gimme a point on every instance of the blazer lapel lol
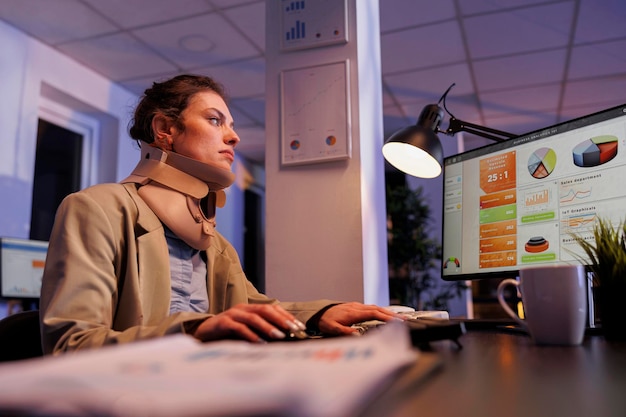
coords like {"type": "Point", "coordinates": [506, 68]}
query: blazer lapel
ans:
{"type": "Point", "coordinates": [153, 260]}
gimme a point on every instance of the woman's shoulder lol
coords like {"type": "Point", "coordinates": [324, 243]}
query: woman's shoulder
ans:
{"type": "Point", "coordinates": [107, 194]}
{"type": "Point", "coordinates": [109, 187]}
{"type": "Point", "coordinates": [116, 201]}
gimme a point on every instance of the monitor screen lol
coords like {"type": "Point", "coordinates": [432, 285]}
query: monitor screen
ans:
{"type": "Point", "coordinates": [21, 267]}
{"type": "Point", "coordinates": [516, 203]}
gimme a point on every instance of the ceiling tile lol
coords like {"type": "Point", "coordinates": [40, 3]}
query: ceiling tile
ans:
{"type": "Point", "coordinates": [520, 30]}
{"type": "Point", "coordinates": [136, 86]}
{"type": "Point", "coordinates": [600, 20]}
{"type": "Point", "coordinates": [605, 92]}
{"type": "Point", "coordinates": [388, 98]}
{"type": "Point", "coordinates": [520, 70]}
{"type": "Point", "coordinates": [54, 21]}
{"type": "Point", "coordinates": [224, 4]}
{"type": "Point", "coordinates": [392, 124]}
{"type": "Point", "coordinates": [139, 84]}
{"type": "Point", "coordinates": [462, 107]}
{"type": "Point", "coordinates": [412, 111]}
{"type": "Point", "coordinates": [397, 14]}
{"type": "Point", "coordinates": [530, 99]}
{"type": "Point", "coordinates": [130, 14]}
{"type": "Point", "coordinates": [428, 85]}
{"type": "Point", "coordinates": [570, 113]}
{"type": "Point", "coordinates": [598, 59]}
{"type": "Point", "coordinates": [241, 79]}
{"type": "Point", "coordinates": [520, 124]}
{"type": "Point", "coordinates": [117, 57]}
{"type": "Point", "coordinates": [251, 21]}
{"type": "Point", "coordinates": [252, 144]}
{"type": "Point", "coordinates": [423, 47]}
{"type": "Point", "coordinates": [485, 6]}
{"type": "Point", "coordinates": [211, 41]}
{"type": "Point", "coordinates": [248, 112]}
{"type": "Point", "coordinates": [393, 111]}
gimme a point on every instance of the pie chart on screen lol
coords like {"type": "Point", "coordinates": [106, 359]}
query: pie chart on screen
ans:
{"type": "Point", "coordinates": [595, 151]}
{"type": "Point", "coordinates": [542, 162]}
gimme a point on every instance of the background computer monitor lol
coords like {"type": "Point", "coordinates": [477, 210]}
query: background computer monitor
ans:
{"type": "Point", "coordinates": [514, 204]}
{"type": "Point", "coordinates": [21, 267]}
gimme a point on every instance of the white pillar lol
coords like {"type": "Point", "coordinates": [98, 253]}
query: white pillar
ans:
{"type": "Point", "coordinates": [326, 221]}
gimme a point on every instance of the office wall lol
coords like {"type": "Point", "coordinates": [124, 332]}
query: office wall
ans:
{"type": "Point", "coordinates": [29, 71]}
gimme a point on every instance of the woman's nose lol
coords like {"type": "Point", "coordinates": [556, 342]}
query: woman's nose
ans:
{"type": "Point", "coordinates": [231, 137]}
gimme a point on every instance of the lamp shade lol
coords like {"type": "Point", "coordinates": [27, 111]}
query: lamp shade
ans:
{"type": "Point", "coordinates": [416, 150]}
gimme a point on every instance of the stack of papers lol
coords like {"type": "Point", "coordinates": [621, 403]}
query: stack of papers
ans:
{"type": "Point", "coordinates": [178, 376]}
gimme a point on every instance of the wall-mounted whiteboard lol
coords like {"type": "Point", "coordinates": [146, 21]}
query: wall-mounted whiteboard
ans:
{"type": "Point", "coordinates": [315, 114]}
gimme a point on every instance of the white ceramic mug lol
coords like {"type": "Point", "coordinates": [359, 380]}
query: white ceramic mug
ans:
{"type": "Point", "coordinates": [555, 303]}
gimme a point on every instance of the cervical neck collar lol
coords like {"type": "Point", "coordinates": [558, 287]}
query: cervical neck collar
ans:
{"type": "Point", "coordinates": [182, 192]}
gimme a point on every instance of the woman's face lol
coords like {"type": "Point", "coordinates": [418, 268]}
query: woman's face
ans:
{"type": "Point", "coordinates": [208, 134]}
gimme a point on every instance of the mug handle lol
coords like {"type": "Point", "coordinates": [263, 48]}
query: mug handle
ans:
{"type": "Point", "coordinates": [503, 284]}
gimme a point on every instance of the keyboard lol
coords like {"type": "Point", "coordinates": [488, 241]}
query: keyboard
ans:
{"type": "Point", "coordinates": [424, 328]}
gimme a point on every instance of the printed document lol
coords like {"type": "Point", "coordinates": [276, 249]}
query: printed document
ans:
{"type": "Point", "coordinates": [179, 376]}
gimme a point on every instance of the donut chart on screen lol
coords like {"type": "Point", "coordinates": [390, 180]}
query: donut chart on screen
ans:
{"type": "Point", "coordinates": [595, 151]}
{"type": "Point", "coordinates": [542, 162]}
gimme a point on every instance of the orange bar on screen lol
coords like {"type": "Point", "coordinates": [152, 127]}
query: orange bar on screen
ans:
{"type": "Point", "coordinates": [498, 244]}
{"type": "Point", "coordinates": [507, 227]}
{"type": "Point", "coordinates": [38, 263]}
{"type": "Point", "coordinates": [496, 259]}
{"type": "Point", "coordinates": [501, 198]}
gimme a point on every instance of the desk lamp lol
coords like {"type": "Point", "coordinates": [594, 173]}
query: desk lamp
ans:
{"type": "Point", "coordinates": [416, 149]}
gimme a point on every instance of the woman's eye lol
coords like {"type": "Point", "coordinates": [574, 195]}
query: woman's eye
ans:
{"type": "Point", "coordinates": [215, 121]}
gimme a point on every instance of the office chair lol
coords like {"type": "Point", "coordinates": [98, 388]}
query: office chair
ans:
{"type": "Point", "coordinates": [20, 337]}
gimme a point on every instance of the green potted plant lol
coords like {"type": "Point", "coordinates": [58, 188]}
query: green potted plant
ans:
{"type": "Point", "coordinates": [413, 254]}
{"type": "Point", "coordinates": [605, 251]}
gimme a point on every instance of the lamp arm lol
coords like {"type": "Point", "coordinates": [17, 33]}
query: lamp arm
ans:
{"type": "Point", "coordinates": [457, 125]}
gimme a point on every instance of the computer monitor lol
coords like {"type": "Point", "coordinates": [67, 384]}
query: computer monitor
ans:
{"type": "Point", "coordinates": [514, 204]}
{"type": "Point", "coordinates": [21, 267]}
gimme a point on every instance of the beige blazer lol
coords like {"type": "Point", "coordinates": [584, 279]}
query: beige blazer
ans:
{"type": "Point", "coordinates": [107, 277]}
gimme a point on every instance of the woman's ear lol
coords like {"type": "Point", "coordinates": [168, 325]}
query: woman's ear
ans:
{"type": "Point", "coordinates": [162, 131]}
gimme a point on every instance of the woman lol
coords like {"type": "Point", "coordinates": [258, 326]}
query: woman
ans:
{"type": "Point", "coordinates": [141, 259]}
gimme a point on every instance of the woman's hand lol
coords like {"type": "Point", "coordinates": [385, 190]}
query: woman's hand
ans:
{"type": "Point", "coordinates": [338, 319]}
{"type": "Point", "coordinates": [251, 322]}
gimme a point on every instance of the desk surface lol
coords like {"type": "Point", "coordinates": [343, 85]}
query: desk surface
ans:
{"type": "Point", "coordinates": [504, 374]}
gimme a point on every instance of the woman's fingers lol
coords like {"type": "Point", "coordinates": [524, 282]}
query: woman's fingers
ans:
{"type": "Point", "coordinates": [254, 323]}
{"type": "Point", "coordinates": [339, 319]}
{"type": "Point", "coordinates": [262, 322]}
